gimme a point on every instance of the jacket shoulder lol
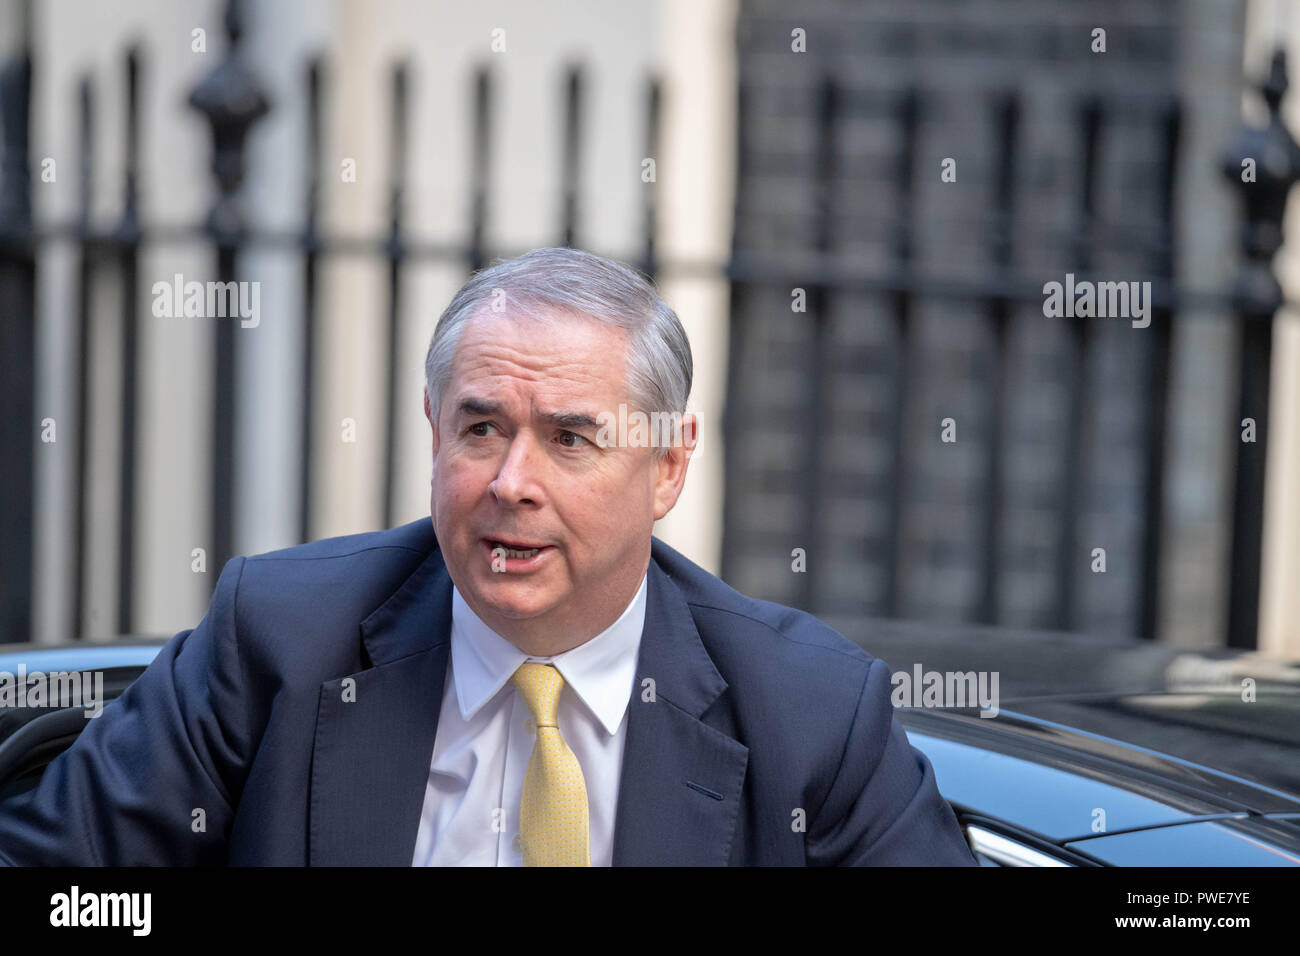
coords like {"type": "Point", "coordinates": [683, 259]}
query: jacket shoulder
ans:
{"type": "Point", "coordinates": [344, 578]}
{"type": "Point", "coordinates": [306, 603]}
{"type": "Point", "coordinates": [416, 536]}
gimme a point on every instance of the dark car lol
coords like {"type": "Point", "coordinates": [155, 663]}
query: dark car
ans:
{"type": "Point", "coordinates": [1107, 751]}
{"type": "Point", "coordinates": [1136, 777]}
{"type": "Point", "coordinates": [1098, 780]}
{"type": "Point", "coordinates": [34, 733]}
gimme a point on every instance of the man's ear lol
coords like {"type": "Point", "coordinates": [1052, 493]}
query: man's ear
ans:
{"type": "Point", "coordinates": [433, 425]}
{"type": "Point", "coordinates": [671, 468]}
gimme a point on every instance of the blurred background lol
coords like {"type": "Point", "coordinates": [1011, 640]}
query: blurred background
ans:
{"type": "Point", "coordinates": [853, 208]}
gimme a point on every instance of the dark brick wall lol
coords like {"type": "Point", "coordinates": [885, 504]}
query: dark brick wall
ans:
{"type": "Point", "coordinates": [960, 55]}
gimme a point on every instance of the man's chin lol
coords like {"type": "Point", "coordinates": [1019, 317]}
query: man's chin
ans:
{"type": "Point", "coordinates": [516, 600]}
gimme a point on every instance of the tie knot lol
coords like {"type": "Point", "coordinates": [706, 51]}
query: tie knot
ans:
{"type": "Point", "coordinates": [540, 686]}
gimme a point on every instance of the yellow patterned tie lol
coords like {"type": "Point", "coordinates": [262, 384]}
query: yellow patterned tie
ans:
{"type": "Point", "coordinates": [553, 808]}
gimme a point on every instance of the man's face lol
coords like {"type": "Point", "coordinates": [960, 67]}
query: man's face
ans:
{"type": "Point", "coordinates": [516, 463]}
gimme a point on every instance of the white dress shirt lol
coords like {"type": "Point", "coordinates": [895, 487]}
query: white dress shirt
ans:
{"type": "Point", "coordinates": [485, 737]}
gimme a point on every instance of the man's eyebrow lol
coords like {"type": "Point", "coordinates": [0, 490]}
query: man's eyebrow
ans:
{"type": "Point", "coordinates": [478, 406]}
{"type": "Point", "coordinates": [571, 420]}
{"type": "Point", "coordinates": [568, 419]}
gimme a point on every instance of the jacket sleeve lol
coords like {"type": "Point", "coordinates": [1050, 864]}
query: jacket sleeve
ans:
{"type": "Point", "coordinates": [884, 807]}
{"type": "Point", "coordinates": [154, 779]}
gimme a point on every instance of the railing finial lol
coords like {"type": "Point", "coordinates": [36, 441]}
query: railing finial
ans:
{"type": "Point", "coordinates": [232, 100]}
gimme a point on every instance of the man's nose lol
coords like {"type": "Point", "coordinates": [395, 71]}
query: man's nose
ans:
{"type": "Point", "coordinates": [516, 480]}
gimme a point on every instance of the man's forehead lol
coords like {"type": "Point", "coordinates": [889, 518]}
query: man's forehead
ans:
{"type": "Point", "coordinates": [581, 366]}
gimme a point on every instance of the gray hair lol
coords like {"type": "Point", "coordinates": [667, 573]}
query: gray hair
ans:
{"type": "Point", "coordinates": [564, 280]}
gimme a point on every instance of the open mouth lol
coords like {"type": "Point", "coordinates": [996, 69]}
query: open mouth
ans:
{"type": "Point", "coordinates": [514, 551]}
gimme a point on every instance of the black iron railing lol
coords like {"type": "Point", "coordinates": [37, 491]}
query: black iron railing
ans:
{"type": "Point", "coordinates": [233, 102]}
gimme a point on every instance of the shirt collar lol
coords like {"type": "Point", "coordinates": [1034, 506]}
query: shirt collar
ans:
{"type": "Point", "coordinates": [600, 671]}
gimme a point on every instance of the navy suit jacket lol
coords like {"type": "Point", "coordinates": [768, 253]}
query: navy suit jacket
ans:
{"type": "Point", "coordinates": [756, 734]}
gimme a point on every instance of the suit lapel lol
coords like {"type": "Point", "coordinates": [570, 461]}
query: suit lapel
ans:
{"type": "Point", "coordinates": [680, 789]}
{"type": "Point", "coordinates": [375, 729]}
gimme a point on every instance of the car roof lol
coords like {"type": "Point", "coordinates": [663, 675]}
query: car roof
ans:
{"type": "Point", "coordinates": [1066, 782]}
{"type": "Point", "coordinates": [78, 656]}
{"type": "Point", "coordinates": [1256, 740]}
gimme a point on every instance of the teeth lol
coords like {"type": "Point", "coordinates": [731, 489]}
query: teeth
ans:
{"type": "Point", "coordinates": [501, 549]}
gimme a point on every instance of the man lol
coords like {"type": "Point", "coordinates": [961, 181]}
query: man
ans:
{"type": "Point", "coordinates": [529, 678]}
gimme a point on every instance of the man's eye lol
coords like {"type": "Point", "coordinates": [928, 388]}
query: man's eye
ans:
{"type": "Point", "coordinates": [578, 440]}
{"type": "Point", "coordinates": [479, 425]}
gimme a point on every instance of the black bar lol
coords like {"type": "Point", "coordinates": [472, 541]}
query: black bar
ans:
{"type": "Point", "coordinates": [908, 118]}
{"type": "Point", "coordinates": [650, 191]}
{"type": "Point", "coordinates": [394, 253]}
{"type": "Point", "coordinates": [86, 249]}
{"type": "Point", "coordinates": [1158, 384]}
{"type": "Point", "coordinates": [232, 100]}
{"type": "Point", "coordinates": [775, 269]}
{"type": "Point", "coordinates": [819, 355]}
{"type": "Point", "coordinates": [1008, 124]}
{"type": "Point", "coordinates": [735, 420]}
{"type": "Point", "coordinates": [1258, 297]}
{"type": "Point", "coordinates": [311, 253]}
{"type": "Point", "coordinates": [1076, 369]}
{"type": "Point", "coordinates": [127, 237]}
{"type": "Point", "coordinates": [572, 155]}
{"type": "Point", "coordinates": [1248, 495]}
{"type": "Point", "coordinates": [479, 169]}
{"type": "Point", "coordinates": [223, 423]}
{"type": "Point", "coordinates": [19, 430]}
